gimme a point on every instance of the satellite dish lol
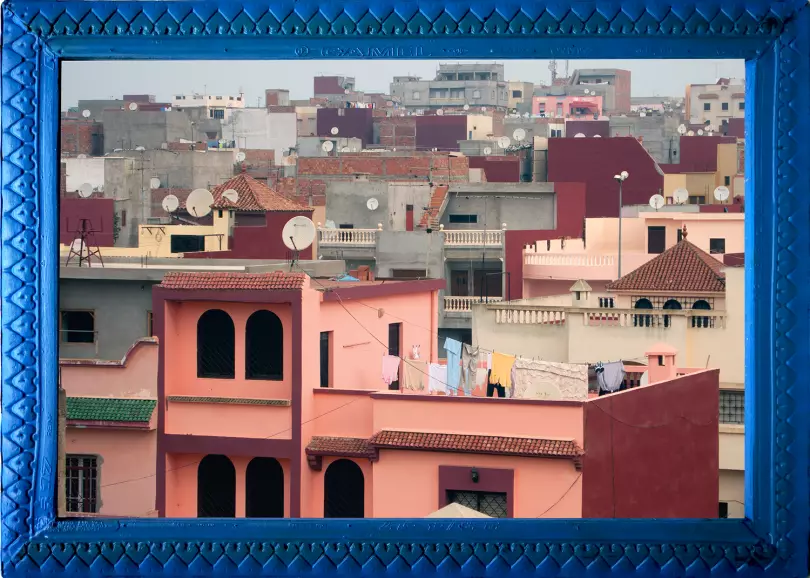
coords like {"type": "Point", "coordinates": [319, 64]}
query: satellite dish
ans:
{"type": "Point", "coordinates": [86, 113]}
{"type": "Point", "coordinates": [334, 130]}
{"type": "Point", "coordinates": [579, 135]}
{"type": "Point", "coordinates": [597, 136]}
{"type": "Point", "coordinates": [327, 146]}
{"type": "Point", "coordinates": [721, 193]}
{"type": "Point", "coordinates": [519, 134]}
{"type": "Point", "coordinates": [164, 146]}
{"type": "Point", "coordinates": [354, 149]}
{"type": "Point", "coordinates": [140, 149]}
{"type": "Point", "coordinates": [587, 91]}
{"type": "Point", "coordinates": [154, 183]}
{"type": "Point", "coordinates": [504, 142]}
{"type": "Point", "coordinates": [231, 195]}
{"type": "Point", "coordinates": [642, 114]}
{"type": "Point", "coordinates": [330, 224]}
{"type": "Point", "coordinates": [372, 204]}
{"type": "Point", "coordinates": [700, 132]}
{"type": "Point", "coordinates": [690, 133]}
{"type": "Point", "coordinates": [170, 203]}
{"type": "Point", "coordinates": [240, 157]}
{"type": "Point", "coordinates": [657, 201]}
{"type": "Point", "coordinates": [526, 115]}
{"type": "Point", "coordinates": [198, 203]}
{"type": "Point", "coordinates": [682, 129]}
{"type": "Point", "coordinates": [85, 190]}
{"type": "Point", "coordinates": [81, 156]}
{"type": "Point", "coordinates": [133, 106]}
{"type": "Point", "coordinates": [466, 107]}
{"type": "Point", "coordinates": [344, 150]}
{"type": "Point", "coordinates": [440, 112]}
{"type": "Point", "coordinates": [483, 109]}
{"type": "Point", "coordinates": [298, 233]}
{"type": "Point", "coordinates": [487, 151]}
{"type": "Point", "coordinates": [681, 195]}
{"type": "Point", "coordinates": [645, 379]}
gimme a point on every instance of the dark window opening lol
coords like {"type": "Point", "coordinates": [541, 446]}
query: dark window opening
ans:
{"type": "Point", "coordinates": [661, 360]}
{"type": "Point", "coordinates": [458, 283]}
{"type": "Point", "coordinates": [78, 327]}
{"type": "Point", "coordinates": [187, 243]}
{"type": "Point", "coordinates": [680, 235]}
{"type": "Point", "coordinates": [487, 283]}
{"type": "Point", "coordinates": [81, 484]}
{"type": "Point", "coordinates": [123, 218]}
{"type": "Point", "coordinates": [150, 332]}
{"type": "Point", "coordinates": [408, 273]}
{"type": "Point", "coordinates": [343, 490]}
{"type": "Point", "coordinates": [216, 488]}
{"type": "Point", "coordinates": [722, 511]}
{"type": "Point", "coordinates": [724, 106]}
{"type": "Point", "coordinates": [394, 339]}
{"type": "Point", "coordinates": [517, 94]}
{"type": "Point", "coordinates": [264, 346]}
{"type": "Point", "coordinates": [345, 226]}
{"type": "Point", "coordinates": [466, 219]}
{"type": "Point", "coordinates": [656, 240]}
{"type": "Point", "coordinates": [697, 200]}
{"type": "Point", "coordinates": [717, 246]}
{"type": "Point", "coordinates": [492, 504]}
{"type": "Point", "coordinates": [703, 321]}
{"type": "Point", "coordinates": [264, 489]}
{"type": "Point", "coordinates": [741, 106]}
{"type": "Point", "coordinates": [642, 320]}
{"type": "Point", "coordinates": [671, 304]}
{"type": "Point", "coordinates": [326, 338]}
{"type": "Point", "coordinates": [727, 181]}
{"type": "Point", "coordinates": [215, 345]}
{"type": "Point", "coordinates": [606, 302]}
{"type": "Point", "coordinates": [707, 106]}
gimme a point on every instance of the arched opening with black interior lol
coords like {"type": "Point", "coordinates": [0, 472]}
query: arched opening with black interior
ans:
{"type": "Point", "coordinates": [701, 321]}
{"type": "Point", "coordinates": [216, 488]}
{"type": "Point", "coordinates": [215, 345]}
{"type": "Point", "coordinates": [642, 320]}
{"type": "Point", "coordinates": [671, 304]}
{"type": "Point", "coordinates": [343, 490]}
{"type": "Point", "coordinates": [264, 489]}
{"type": "Point", "coordinates": [264, 346]}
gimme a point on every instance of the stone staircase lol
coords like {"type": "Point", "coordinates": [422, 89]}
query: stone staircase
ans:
{"type": "Point", "coordinates": [438, 202]}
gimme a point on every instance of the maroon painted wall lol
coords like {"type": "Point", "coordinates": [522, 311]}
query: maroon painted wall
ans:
{"type": "Point", "coordinates": [351, 123]}
{"type": "Point", "coordinates": [699, 153]}
{"type": "Point", "coordinates": [442, 132]}
{"type": "Point", "coordinates": [736, 127]}
{"type": "Point", "coordinates": [653, 452]}
{"type": "Point", "coordinates": [595, 161]}
{"type": "Point", "coordinates": [98, 211]}
{"type": "Point", "coordinates": [590, 128]}
{"type": "Point", "coordinates": [328, 85]}
{"type": "Point", "coordinates": [570, 223]}
{"type": "Point", "coordinates": [505, 169]}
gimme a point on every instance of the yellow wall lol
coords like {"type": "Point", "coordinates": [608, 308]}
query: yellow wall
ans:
{"type": "Point", "coordinates": [157, 239]}
{"type": "Point", "coordinates": [479, 125]}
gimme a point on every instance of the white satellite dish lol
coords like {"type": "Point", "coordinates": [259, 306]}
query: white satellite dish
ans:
{"type": "Point", "coordinates": [86, 113]}
{"type": "Point", "coordinates": [170, 203]}
{"type": "Point", "coordinates": [85, 190]}
{"type": "Point", "coordinates": [642, 114]}
{"type": "Point", "coordinates": [657, 201]}
{"type": "Point", "coordinates": [334, 130]}
{"type": "Point", "coordinates": [231, 195]}
{"type": "Point", "coordinates": [519, 134]}
{"type": "Point", "coordinates": [81, 156]}
{"type": "Point", "coordinates": [700, 132]}
{"type": "Point", "coordinates": [440, 112]}
{"type": "Point", "coordinates": [587, 91]}
{"type": "Point", "coordinates": [199, 201]}
{"type": "Point", "coordinates": [504, 142]}
{"type": "Point", "coordinates": [597, 136]}
{"type": "Point", "coordinates": [240, 157]}
{"type": "Point", "coordinates": [487, 151]}
{"type": "Point", "coordinates": [133, 106]}
{"type": "Point", "coordinates": [721, 193]}
{"type": "Point", "coordinates": [645, 379]}
{"type": "Point", "coordinates": [344, 150]}
{"type": "Point", "coordinates": [682, 129]}
{"type": "Point", "coordinates": [154, 183]}
{"type": "Point", "coordinates": [327, 146]}
{"type": "Point", "coordinates": [466, 107]}
{"type": "Point", "coordinates": [579, 135]}
{"type": "Point", "coordinates": [140, 149]}
{"type": "Point", "coordinates": [711, 128]}
{"type": "Point", "coordinates": [298, 233]}
{"type": "Point", "coordinates": [330, 224]}
{"type": "Point", "coordinates": [690, 133]}
{"type": "Point", "coordinates": [164, 146]}
{"type": "Point", "coordinates": [372, 204]}
{"type": "Point", "coordinates": [681, 195]}
{"type": "Point", "coordinates": [483, 109]}
{"type": "Point", "coordinates": [354, 149]}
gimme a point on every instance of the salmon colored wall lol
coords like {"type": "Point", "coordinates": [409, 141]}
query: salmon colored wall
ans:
{"type": "Point", "coordinates": [406, 483]}
{"type": "Point", "coordinates": [342, 415]}
{"type": "Point", "coordinates": [136, 379]}
{"type": "Point", "coordinates": [228, 420]}
{"type": "Point", "coordinates": [312, 503]}
{"type": "Point", "coordinates": [127, 467]}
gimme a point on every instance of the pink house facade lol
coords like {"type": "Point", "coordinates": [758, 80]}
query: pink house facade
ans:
{"type": "Point", "coordinates": [272, 405]}
{"type": "Point", "coordinates": [583, 107]}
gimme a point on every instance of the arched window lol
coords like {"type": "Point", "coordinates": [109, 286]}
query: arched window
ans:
{"type": "Point", "coordinates": [216, 488]}
{"type": "Point", "coordinates": [671, 304]}
{"type": "Point", "coordinates": [702, 305]}
{"type": "Point", "coordinates": [264, 346]}
{"type": "Point", "coordinates": [215, 345]}
{"type": "Point", "coordinates": [642, 320]}
{"type": "Point", "coordinates": [343, 490]}
{"type": "Point", "coordinates": [264, 489]}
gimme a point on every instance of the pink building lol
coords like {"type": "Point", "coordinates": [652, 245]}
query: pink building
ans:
{"type": "Point", "coordinates": [567, 106]}
{"type": "Point", "coordinates": [253, 424]}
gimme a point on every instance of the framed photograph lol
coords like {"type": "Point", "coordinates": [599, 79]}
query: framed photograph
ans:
{"type": "Point", "coordinates": [42, 39]}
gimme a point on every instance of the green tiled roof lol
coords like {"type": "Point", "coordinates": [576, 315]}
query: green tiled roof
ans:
{"type": "Point", "coordinates": [110, 409]}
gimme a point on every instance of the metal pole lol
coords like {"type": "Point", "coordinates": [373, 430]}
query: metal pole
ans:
{"type": "Point", "coordinates": [620, 229]}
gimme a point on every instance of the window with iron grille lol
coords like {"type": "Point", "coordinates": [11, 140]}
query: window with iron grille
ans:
{"type": "Point", "coordinates": [78, 326]}
{"type": "Point", "coordinates": [215, 345]}
{"type": "Point", "coordinates": [264, 346]}
{"type": "Point", "coordinates": [492, 504]}
{"type": "Point", "coordinates": [81, 484]}
{"type": "Point", "coordinates": [732, 406]}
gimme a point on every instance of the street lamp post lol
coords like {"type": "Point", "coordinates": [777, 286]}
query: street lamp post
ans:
{"type": "Point", "coordinates": [620, 178]}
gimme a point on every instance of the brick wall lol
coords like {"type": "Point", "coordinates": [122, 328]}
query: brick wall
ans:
{"type": "Point", "coordinates": [62, 179]}
{"type": "Point", "coordinates": [81, 137]}
{"type": "Point", "coordinates": [398, 131]}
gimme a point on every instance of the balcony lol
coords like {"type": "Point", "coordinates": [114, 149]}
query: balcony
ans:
{"type": "Point", "coordinates": [462, 305]}
{"type": "Point", "coordinates": [347, 237]}
{"type": "Point", "coordinates": [473, 238]}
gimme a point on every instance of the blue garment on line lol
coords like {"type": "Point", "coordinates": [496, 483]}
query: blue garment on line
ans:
{"type": "Point", "coordinates": [453, 349]}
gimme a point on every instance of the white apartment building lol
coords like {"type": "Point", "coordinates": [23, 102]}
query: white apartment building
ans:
{"type": "Point", "coordinates": [715, 103]}
{"type": "Point", "coordinates": [218, 106]}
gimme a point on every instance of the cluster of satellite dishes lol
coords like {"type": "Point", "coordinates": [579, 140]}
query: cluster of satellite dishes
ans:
{"type": "Point", "coordinates": [708, 130]}
{"type": "Point", "coordinates": [198, 203]}
{"type": "Point", "coordinates": [681, 196]}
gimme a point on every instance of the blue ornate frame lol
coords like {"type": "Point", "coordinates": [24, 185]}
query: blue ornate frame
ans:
{"type": "Point", "coordinates": [772, 35]}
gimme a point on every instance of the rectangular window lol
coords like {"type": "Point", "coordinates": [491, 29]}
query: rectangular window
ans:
{"type": "Point", "coordinates": [726, 181]}
{"type": "Point", "coordinates": [123, 218]}
{"type": "Point", "coordinates": [187, 243]}
{"type": "Point", "coordinates": [722, 511]}
{"type": "Point", "coordinates": [467, 219]}
{"type": "Point", "coordinates": [345, 226]}
{"type": "Point", "coordinates": [723, 106]}
{"type": "Point", "coordinates": [408, 273]}
{"type": "Point", "coordinates": [493, 504]}
{"type": "Point", "coordinates": [707, 106]}
{"type": "Point", "coordinates": [476, 94]}
{"type": "Point", "coordinates": [150, 332]}
{"type": "Point", "coordinates": [656, 240]}
{"type": "Point", "coordinates": [717, 246]}
{"type": "Point", "coordinates": [81, 484]}
{"type": "Point", "coordinates": [394, 340]}
{"type": "Point", "coordinates": [218, 113]}
{"type": "Point", "coordinates": [77, 326]}
{"type": "Point", "coordinates": [517, 94]}
{"type": "Point", "coordinates": [741, 105]}
{"type": "Point", "coordinates": [326, 346]}
{"type": "Point", "coordinates": [680, 235]}
{"type": "Point", "coordinates": [487, 284]}
{"type": "Point", "coordinates": [697, 200]}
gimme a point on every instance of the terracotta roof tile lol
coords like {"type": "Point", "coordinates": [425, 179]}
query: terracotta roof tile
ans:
{"type": "Point", "coordinates": [220, 281]}
{"type": "Point", "coordinates": [683, 268]}
{"type": "Point", "coordinates": [477, 444]}
{"type": "Point", "coordinates": [254, 196]}
{"type": "Point", "coordinates": [335, 446]}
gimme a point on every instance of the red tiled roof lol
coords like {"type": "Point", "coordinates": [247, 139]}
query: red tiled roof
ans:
{"type": "Point", "coordinates": [343, 447]}
{"type": "Point", "coordinates": [431, 217]}
{"type": "Point", "coordinates": [253, 196]}
{"type": "Point", "coordinates": [476, 444]}
{"type": "Point", "coordinates": [683, 268]}
{"type": "Point", "coordinates": [275, 281]}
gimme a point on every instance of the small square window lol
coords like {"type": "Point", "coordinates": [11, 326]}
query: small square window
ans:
{"type": "Point", "coordinates": [722, 511]}
{"type": "Point", "coordinates": [741, 105]}
{"type": "Point", "coordinates": [724, 105]}
{"type": "Point", "coordinates": [717, 246]}
{"type": "Point", "coordinates": [707, 106]}
{"type": "Point", "coordinates": [77, 326]}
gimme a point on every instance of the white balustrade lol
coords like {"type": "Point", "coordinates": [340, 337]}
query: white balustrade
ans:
{"type": "Point", "coordinates": [529, 316]}
{"type": "Point", "coordinates": [472, 238]}
{"type": "Point", "coordinates": [569, 260]}
{"type": "Point", "coordinates": [459, 304]}
{"type": "Point", "coordinates": [347, 237]}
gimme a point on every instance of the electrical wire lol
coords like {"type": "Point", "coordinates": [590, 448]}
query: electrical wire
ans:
{"type": "Point", "coordinates": [552, 506]}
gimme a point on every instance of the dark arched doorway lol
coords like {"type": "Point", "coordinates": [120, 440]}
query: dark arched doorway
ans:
{"type": "Point", "coordinates": [642, 320]}
{"type": "Point", "coordinates": [216, 488]}
{"type": "Point", "coordinates": [264, 346]}
{"type": "Point", "coordinates": [264, 489]}
{"type": "Point", "coordinates": [343, 490]}
{"type": "Point", "coordinates": [671, 304]}
{"type": "Point", "coordinates": [215, 345]}
{"type": "Point", "coordinates": [703, 321]}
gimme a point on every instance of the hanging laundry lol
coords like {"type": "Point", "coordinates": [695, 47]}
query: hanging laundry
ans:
{"type": "Point", "coordinates": [609, 376]}
{"type": "Point", "coordinates": [414, 374]}
{"type": "Point", "coordinates": [492, 387]}
{"type": "Point", "coordinates": [488, 360]}
{"type": "Point", "coordinates": [538, 379]}
{"type": "Point", "coordinates": [437, 380]}
{"type": "Point", "coordinates": [453, 349]}
{"type": "Point", "coordinates": [502, 369]}
{"type": "Point", "coordinates": [390, 369]}
{"type": "Point", "coordinates": [469, 366]}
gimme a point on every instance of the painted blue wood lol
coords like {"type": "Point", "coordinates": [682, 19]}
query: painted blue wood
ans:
{"type": "Point", "coordinates": [771, 35]}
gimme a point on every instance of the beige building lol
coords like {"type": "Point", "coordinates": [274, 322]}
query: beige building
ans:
{"type": "Point", "coordinates": [683, 298]}
{"type": "Point", "coordinates": [715, 103]}
{"type": "Point", "coordinates": [519, 93]}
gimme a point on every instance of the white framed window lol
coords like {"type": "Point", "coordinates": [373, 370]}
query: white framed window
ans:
{"type": "Point", "coordinates": [416, 95]}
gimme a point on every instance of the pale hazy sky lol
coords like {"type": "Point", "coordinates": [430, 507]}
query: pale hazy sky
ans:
{"type": "Point", "coordinates": [106, 79]}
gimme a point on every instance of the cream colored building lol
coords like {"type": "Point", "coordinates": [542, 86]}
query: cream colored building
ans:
{"type": "Point", "coordinates": [714, 103]}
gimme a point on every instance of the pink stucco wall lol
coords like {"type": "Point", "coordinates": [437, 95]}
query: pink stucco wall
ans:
{"type": "Point", "coordinates": [135, 377]}
{"type": "Point", "coordinates": [565, 103]}
{"type": "Point", "coordinates": [313, 502]}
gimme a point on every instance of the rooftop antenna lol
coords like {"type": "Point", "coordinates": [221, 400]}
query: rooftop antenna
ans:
{"type": "Point", "coordinates": [84, 246]}
{"type": "Point", "coordinates": [298, 234]}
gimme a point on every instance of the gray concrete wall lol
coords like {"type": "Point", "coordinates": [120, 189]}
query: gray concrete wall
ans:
{"type": "Point", "coordinates": [659, 133]}
{"type": "Point", "coordinates": [399, 196]}
{"type": "Point", "coordinates": [410, 250]}
{"type": "Point", "coordinates": [127, 129]}
{"type": "Point", "coordinates": [346, 203]}
{"type": "Point", "coordinates": [522, 206]}
{"type": "Point", "coordinates": [120, 309]}
{"type": "Point", "coordinates": [310, 146]}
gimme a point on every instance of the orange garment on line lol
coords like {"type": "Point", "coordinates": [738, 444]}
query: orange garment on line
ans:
{"type": "Point", "coordinates": [502, 369]}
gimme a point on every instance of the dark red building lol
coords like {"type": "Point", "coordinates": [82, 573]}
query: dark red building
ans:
{"type": "Point", "coordinates": [500, 169]}
{"type": "Point", "coordinates": [99, 217]}
{"type": "Point", "coordinates": [350, 122]}
{"type": "Point", "coordinates": [699, 153]}
{"type": "Point", "coordinates": [590, 128]}
{"type": "Point", "coordinates": [440, 132]}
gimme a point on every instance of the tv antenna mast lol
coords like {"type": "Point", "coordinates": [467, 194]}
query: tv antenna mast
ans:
{"type": "Point", "coordinates": [84, 246]}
